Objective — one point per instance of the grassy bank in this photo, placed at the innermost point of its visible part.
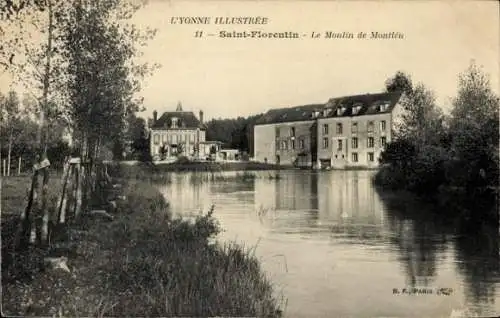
(143, 263)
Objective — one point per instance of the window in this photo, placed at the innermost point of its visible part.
(356, 109)
(284, 145)
(354, 157)
(301, 143)
(174, 122)
(339, 144)
(277, 145)
(383, 141)
(163, 139)
(371, 142)
(325, 142)
(339, 129)
(354, 143)
(292, 144)
(354, 127)
(371, 157)
(370, 126)
(277, 132)
(156, 139)
(382, 125)
(325, 129)
(292, 131)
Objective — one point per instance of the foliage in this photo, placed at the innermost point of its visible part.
(234, 133)
(401, 82)
(422, 122)
(19, 129)
(100, 49)
(429, 153)
(474, 127)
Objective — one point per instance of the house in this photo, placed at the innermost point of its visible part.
(349, 131)
(287, 136)
(176, 133)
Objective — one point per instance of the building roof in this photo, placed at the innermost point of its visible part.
(289, 114)
(185, 120)
(368, 104)
(355, 105)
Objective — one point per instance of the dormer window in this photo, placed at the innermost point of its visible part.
(356, 108)
(384, 106)
(326, 112)
(175, 121)
(340, 111)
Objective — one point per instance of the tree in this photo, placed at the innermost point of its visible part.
(422, 121)
(401, 82)
(10, 120)
(139, 139)
(100, 48)
(416, 157)
(474, 129)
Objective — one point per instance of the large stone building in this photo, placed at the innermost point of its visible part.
(348, 131)
(177, 133)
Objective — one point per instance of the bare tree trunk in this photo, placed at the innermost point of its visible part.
(43, 205)
(66, 195)
(9, 153)
(45, 212)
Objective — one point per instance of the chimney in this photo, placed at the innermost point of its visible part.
(155, 117)
(201, 117)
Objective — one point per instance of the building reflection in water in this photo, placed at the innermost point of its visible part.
(337, 202)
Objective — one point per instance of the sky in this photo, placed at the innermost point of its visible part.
(238, 77)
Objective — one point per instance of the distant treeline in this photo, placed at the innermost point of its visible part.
(234, 133)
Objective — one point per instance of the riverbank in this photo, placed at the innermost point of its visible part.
(210, 166)
(143, 263)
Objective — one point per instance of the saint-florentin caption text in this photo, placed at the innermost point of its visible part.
(258, 22)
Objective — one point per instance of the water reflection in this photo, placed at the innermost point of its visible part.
(477, 258)
(422, 235)
(342, 223)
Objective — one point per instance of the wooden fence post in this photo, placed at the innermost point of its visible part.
(61, 200)
(67, 194)
(78, 189)
(25, 221)
(19, 166)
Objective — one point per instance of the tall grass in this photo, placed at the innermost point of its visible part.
(164, 266)
(147, 263)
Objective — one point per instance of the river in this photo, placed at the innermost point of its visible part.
(334, 246)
